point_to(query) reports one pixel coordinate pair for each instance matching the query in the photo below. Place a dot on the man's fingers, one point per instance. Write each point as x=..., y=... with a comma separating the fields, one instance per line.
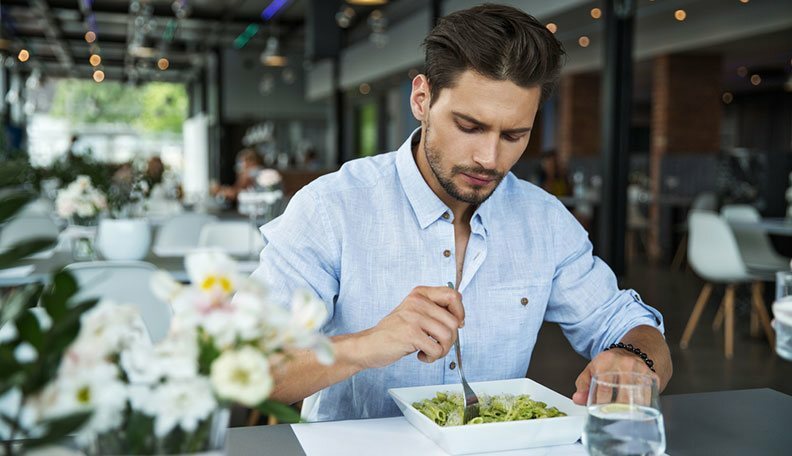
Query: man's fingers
x=440, y=332
x=445, y=297
x=582, y=387
x=429, y=350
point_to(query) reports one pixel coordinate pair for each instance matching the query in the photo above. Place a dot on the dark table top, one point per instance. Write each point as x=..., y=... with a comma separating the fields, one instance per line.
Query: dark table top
x=744, y=422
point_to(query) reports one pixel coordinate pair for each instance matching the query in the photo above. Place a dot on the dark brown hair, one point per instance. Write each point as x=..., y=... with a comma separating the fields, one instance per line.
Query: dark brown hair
x=496, y=41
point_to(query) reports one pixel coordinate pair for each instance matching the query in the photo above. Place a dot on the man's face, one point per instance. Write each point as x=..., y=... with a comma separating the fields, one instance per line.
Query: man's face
x=474, y=132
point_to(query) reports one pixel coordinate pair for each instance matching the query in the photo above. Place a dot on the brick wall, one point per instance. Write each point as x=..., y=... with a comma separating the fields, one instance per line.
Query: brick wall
x=686, y=104
x=579, y=115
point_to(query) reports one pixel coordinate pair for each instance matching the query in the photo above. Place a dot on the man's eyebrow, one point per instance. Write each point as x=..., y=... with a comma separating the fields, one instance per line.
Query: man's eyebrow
x=485, y=126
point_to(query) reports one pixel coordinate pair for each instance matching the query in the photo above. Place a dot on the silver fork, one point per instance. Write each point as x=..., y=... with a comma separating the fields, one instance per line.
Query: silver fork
x=471, y=403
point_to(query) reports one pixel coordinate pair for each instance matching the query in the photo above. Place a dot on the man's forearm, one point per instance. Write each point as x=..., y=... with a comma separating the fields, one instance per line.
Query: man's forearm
x=301, y=374
x=652, y=342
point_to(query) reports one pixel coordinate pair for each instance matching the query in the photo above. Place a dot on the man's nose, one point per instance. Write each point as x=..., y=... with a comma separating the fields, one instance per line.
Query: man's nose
x=487, y=151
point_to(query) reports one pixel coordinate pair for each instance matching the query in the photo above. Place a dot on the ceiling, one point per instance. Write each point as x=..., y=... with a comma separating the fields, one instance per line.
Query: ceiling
x=755, y=34
x=131, y=36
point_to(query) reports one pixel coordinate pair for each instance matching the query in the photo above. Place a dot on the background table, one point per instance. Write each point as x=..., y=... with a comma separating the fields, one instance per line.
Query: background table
x=45, y=267
x=777, y=226
x=746, y=422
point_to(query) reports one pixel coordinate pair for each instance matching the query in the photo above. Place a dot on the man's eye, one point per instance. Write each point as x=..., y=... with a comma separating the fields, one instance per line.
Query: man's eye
x=511, y=138
x=467, y=129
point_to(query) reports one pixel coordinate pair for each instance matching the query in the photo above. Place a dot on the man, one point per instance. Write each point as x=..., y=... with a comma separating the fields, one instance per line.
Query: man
x=383, y=240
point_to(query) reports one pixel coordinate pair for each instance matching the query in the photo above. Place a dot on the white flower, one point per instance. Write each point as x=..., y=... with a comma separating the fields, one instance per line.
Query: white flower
x=308, y=312
x=299, y=327
x=141, y=398
x=96, y=388
x=242, y=376
x=108, y=328
x=175, y=357
x=25, y=353
x=165, y=287
x=80, y=198
x=180, y=403
x=213, y=272
x=268, y=178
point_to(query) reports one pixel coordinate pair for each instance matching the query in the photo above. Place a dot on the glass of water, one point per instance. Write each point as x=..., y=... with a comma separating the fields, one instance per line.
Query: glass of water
x=624, y=415
x=783, y=284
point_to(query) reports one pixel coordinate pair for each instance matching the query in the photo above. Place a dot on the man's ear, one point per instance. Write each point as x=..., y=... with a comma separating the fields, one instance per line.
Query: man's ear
x=420, y=97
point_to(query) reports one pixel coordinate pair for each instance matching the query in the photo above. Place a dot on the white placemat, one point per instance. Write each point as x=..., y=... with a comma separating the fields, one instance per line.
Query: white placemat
x=390, y=436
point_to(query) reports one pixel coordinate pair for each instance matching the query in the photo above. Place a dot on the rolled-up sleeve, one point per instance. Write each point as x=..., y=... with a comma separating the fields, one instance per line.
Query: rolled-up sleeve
x=300, y=252
x=585, y=299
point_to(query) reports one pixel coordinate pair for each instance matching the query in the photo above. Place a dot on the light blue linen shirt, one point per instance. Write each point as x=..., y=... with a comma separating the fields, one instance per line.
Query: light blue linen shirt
x=363, y=237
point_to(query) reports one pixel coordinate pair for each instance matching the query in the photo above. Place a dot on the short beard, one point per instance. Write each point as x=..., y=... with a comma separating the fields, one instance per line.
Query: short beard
x=474, y=197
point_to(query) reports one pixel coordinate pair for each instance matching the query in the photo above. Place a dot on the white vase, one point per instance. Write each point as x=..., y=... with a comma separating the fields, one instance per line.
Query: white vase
x=124, y=239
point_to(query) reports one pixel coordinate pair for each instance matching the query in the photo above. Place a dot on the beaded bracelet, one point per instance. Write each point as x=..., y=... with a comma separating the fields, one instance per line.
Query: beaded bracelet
x=635, y=350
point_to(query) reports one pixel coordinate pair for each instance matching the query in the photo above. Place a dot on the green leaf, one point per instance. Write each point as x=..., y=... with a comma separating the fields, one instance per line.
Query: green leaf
x=56, y=298
x=13, y=201
x=207, y=353
x=284, y=413
x=12, y=256
x=18, y=301
x=10, y=172
x=140, y=434
x=65, y=284
x=29, y=330
x=59, y=428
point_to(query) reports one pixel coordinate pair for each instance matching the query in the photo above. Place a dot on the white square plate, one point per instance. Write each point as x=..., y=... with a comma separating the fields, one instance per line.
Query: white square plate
x=487, y=437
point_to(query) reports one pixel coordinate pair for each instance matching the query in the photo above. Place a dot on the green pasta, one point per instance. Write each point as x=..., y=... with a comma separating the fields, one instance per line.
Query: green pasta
x=445, y=409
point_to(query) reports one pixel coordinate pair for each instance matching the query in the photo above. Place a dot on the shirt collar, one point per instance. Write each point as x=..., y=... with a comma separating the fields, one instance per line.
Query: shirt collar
x=425, y=203
x=428, y=207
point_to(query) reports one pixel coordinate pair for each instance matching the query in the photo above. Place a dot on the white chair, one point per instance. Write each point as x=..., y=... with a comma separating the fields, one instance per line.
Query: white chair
x=714, y=255
x=179, y=235
x=704, y=201
x=755, y=246
x=239, y=238
x=125, y=282
x=28, y=228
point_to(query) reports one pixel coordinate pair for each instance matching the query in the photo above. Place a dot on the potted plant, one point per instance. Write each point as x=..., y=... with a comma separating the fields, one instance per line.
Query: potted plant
x=125, y=234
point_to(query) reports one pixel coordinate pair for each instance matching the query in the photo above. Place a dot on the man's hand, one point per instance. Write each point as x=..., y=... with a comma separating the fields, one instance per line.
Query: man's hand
x=649, y=340
x=426, y=322
x=608, y=361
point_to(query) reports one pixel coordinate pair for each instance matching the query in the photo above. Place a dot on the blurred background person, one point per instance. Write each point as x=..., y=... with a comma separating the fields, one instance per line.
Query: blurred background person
x=248, y=165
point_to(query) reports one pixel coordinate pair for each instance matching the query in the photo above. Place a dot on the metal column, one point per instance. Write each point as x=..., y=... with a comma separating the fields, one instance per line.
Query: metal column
x=616, y=104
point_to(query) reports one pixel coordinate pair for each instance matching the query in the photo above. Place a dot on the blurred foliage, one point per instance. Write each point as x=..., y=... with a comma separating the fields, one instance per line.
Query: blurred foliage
x=29, y=377
x=154, y=107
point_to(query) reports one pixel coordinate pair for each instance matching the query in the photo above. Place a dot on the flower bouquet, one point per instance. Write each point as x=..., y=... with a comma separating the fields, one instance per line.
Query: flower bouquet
x=260, y=200
x=174, y=396
x=80, y=201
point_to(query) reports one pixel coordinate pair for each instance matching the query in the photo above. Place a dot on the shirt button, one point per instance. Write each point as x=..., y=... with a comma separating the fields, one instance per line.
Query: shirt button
x=452, y=365
x=446, y=215
x=446, y=253
x=524, y=301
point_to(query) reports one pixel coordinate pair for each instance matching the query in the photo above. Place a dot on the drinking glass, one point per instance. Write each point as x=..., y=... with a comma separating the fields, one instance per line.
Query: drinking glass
x=624, y=415
x=783, y=284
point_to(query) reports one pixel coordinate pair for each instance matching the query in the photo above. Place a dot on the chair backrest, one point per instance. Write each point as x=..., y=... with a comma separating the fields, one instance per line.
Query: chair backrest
x=180, y=234
x=712, y=249
x=755, y=246
x=234, y=237
x=705, y=201
x=125, y=282
x=27, y=228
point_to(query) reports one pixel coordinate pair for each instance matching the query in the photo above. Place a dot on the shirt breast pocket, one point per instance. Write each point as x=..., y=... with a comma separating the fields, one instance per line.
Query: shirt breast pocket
x=515, y=311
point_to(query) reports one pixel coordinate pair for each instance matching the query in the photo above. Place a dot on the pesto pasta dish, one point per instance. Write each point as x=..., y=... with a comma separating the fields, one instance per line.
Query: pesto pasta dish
x=445, y=409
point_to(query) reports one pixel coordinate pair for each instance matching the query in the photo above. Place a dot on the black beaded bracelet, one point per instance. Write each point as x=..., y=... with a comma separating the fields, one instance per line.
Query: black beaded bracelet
x=635, y=350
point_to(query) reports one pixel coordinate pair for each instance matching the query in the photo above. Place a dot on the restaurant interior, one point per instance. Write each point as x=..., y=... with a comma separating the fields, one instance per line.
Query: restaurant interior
x=144, y=143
